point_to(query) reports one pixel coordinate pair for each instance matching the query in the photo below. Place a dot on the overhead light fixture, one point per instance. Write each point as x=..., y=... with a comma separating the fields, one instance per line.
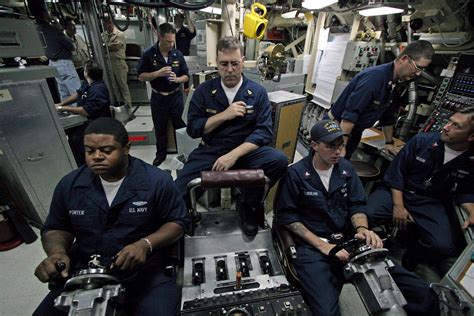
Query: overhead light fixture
x=382, y=7
x=212, y=10
x=317, y=4
x=290, y=15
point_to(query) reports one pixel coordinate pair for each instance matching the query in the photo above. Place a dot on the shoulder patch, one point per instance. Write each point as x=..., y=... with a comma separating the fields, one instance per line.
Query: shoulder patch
x=249, y=92
x=214, y=92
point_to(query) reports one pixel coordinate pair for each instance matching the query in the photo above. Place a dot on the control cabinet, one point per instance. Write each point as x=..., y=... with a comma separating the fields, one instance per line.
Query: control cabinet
x=454, y=93
x=360, y=55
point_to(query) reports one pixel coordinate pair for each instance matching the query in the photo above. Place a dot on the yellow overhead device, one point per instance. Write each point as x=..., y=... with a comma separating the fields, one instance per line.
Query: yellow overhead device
x=255, y=23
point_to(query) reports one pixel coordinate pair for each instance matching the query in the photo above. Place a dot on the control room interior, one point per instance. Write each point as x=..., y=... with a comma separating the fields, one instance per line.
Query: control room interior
x=304, y=53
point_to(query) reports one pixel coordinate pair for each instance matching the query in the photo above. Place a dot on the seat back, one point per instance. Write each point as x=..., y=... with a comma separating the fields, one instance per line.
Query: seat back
x=223, y=179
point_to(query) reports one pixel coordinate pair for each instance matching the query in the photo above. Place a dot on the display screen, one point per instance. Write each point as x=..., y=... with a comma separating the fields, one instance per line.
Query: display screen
x=463, y=80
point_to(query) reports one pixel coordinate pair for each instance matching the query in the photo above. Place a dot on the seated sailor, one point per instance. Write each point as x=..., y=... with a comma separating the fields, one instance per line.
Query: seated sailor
x=232, y=114
x=121, y=208
x=321, y=195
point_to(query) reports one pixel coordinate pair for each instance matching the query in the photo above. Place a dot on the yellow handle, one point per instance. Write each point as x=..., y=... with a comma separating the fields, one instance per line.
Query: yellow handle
x=261, y=7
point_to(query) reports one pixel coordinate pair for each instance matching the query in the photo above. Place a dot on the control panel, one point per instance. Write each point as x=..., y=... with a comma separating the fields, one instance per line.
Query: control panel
x=456, y=291
x=463, y=79
x=360, y=55
x=247, y=282
x=453, y=94
x=276, y=301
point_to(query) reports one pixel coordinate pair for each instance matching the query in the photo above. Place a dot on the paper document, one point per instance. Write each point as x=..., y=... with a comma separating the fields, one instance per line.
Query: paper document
x=369, y=133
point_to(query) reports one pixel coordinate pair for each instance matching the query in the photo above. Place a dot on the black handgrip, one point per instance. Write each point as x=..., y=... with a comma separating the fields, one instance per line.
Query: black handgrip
x=344, y=245
x=60, y=265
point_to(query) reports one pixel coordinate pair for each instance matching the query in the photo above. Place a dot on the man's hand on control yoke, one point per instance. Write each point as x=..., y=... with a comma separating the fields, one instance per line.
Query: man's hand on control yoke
x=131, y=256
x=371, y=238
x=47, y=270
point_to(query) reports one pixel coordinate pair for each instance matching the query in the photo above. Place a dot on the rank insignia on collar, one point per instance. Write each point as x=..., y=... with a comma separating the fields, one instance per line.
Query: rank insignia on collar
x=214, y=92
x=345, y=173
x=435, y=144
x=249, y=92
x=307, y=174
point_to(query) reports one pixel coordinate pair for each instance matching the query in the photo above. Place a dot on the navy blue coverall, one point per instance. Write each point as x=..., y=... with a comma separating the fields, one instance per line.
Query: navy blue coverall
x=167, y=101
x=183, y=40
x=427, y=185
x=303, y=198
x=146, y=200
x=369, y=97
x=254, y=127
x=95, y=100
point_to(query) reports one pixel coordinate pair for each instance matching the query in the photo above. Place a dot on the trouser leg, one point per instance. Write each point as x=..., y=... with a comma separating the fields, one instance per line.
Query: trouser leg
x=76, y=142
x=380, y=207
x=200, y=159
x=421, y=300
x=67, y=79
x=433, y=227
x=160, y=116
x=46, y=307
x=321, y=280
x=120, y=70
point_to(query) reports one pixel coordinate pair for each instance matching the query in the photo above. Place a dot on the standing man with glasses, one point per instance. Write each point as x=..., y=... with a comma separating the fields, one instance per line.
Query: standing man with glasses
x=321, y=195
x=165, y=68
x=232, y=114
x=371, y=96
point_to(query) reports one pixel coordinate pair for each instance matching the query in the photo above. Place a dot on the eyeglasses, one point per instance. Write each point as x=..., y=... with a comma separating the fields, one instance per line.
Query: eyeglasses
x=225, y=64
x=417, y=68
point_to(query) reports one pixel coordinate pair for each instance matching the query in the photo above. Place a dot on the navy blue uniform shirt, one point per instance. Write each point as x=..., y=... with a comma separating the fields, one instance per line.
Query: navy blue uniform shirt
x=95, y=99
x=303, y=198
x=210, y=99
x=147, y=199
x=153, y=60
x=58, y=46
x=368, y=98
x=419, y=167
x=183, y=40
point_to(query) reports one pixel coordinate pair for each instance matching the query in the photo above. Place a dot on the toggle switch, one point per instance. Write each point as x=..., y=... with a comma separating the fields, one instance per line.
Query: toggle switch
x=221, y=269
x=199, y=275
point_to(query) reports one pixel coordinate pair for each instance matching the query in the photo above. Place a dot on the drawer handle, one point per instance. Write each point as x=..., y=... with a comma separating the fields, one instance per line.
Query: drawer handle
x=39, y=157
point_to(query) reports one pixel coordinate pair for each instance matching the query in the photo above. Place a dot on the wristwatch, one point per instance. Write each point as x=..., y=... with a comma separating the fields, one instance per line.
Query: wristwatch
x=60, y=107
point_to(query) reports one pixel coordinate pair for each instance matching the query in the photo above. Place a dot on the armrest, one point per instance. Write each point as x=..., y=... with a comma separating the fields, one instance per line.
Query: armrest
x=173, y=257
x=232, y=178
x=287, y=241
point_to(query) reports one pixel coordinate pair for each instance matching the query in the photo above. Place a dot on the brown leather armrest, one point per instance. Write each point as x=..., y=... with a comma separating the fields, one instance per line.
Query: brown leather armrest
x=287, y=241
x=232, y=178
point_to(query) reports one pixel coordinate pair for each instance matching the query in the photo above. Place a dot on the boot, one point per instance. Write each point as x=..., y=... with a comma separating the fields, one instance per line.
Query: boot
x=248, y=219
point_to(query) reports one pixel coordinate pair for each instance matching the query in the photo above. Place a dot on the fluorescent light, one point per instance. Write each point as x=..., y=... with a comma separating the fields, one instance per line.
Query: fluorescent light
x=290, y=15
x=212, y=10
x=383, y=10
x=317, y=4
